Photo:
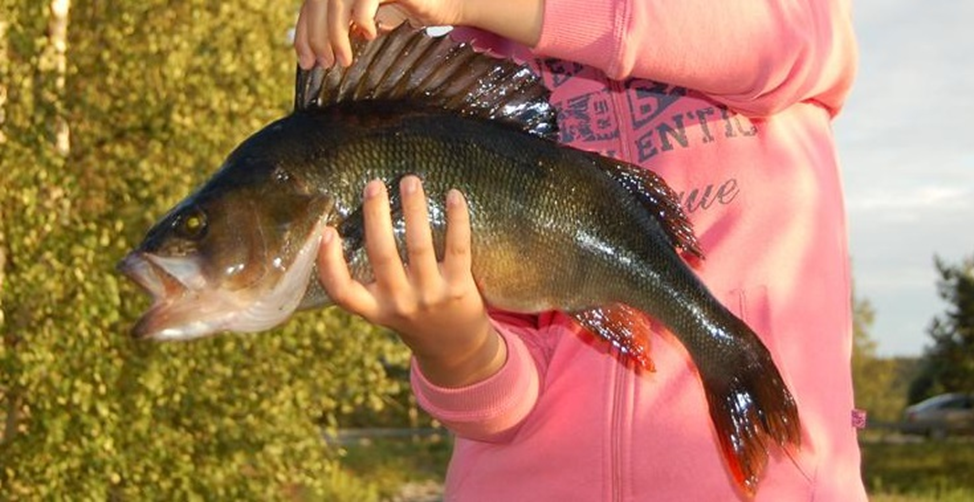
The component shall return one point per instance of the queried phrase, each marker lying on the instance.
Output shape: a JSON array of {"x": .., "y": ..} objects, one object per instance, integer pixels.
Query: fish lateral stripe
[{"x": 407, "y": 64}]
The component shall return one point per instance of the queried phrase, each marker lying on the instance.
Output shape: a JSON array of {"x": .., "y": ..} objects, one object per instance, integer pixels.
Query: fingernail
[
  {"x": 328, "y": 235},
  {"x": 325, "y": 62},
  {"x": 372, "y": 189},
  {"x": 409, "y": 185},
  {"x": 454, "y": 198}
]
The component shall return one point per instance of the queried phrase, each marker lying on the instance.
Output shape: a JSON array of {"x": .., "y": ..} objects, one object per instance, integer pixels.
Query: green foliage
[
  {"x": 155, "y": 93},
  {"x": 948, "y": 364},
  {"x": 879, "y": 384},
  {"x": 387, "y": 464}
]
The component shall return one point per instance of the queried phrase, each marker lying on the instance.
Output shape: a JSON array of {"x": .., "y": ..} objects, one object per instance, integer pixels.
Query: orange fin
[{"x": 626, "y": 328}]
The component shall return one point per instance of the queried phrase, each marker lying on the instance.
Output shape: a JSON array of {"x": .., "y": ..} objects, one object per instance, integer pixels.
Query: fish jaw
[
  {"x": 187, "y": 306},
  {"x": 178, "y": 311}
]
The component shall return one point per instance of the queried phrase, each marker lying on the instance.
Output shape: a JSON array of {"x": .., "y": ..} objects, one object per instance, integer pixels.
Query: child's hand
[
  {"x": 324, "y": 26},
  {"x": 435, "y": 307}
]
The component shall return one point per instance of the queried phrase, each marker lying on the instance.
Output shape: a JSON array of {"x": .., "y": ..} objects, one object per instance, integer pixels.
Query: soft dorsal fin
[
  {"x": 409, "y": 64},
  {"x": 659, "y": 199}
]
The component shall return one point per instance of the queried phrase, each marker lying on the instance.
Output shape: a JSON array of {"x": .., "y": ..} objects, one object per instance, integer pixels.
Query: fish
[{"x": 553, "y": 227}]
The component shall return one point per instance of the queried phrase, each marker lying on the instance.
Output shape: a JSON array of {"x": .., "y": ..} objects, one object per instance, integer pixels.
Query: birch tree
[
  {"x": 114, "y": 111},
  {"x": 57, "y": 49}
]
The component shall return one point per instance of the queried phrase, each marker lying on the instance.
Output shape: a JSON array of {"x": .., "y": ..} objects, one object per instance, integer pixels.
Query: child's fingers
[
  {"x": 306, "y": 57},
  {"x": 315, "y": 15},
  {"x": 388, "y": 17},
  {"x": 339, "y": 23},
  {"x": 423, "y": 269},
  {"x": 457, "y": 258},
  {"x": 380, "y": 243},
  {"x": 363, "y": 15},
  {"x": 334, "y": 276}
]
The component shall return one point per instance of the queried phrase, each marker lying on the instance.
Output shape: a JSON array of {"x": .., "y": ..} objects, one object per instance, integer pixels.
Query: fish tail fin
[
  {"x": 751, "y": 409},
  {"x": 626, "y": 328}
]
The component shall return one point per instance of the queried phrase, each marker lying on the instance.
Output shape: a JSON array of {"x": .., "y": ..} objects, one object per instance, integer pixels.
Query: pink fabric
[{"x": 742, "y": 131}]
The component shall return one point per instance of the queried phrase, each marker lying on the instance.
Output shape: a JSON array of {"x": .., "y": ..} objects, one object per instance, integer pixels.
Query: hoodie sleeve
[
  {"x": 756, "y": 56},
  {"x": 490, "y": 410}
]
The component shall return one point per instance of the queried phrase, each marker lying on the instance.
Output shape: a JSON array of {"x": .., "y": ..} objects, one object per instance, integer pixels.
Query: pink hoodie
[{"x": 741, "y": 129}]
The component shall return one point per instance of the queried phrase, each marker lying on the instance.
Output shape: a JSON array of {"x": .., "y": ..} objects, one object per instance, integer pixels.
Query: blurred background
[{"x": 112, "y": 111}]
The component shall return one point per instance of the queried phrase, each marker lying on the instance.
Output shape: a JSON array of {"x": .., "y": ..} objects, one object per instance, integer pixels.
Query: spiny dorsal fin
[
  {"x": 409, "y": 64},
  {"x": 659, "y": 199}
]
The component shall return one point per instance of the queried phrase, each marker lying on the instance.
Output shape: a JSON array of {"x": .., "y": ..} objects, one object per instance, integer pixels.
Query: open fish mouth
[
  {"x": 152, "y": 278},
  {"x": 185, "y": 305},
  {"x": 176, "y": 300}
]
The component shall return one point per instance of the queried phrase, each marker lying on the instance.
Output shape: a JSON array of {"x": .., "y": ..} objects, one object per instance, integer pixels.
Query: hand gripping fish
[{"x": 554, "y": 228}]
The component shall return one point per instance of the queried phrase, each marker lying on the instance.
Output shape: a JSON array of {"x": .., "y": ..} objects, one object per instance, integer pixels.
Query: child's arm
[
  {"x": 491, "y": 409},
  {"x": 757, "y": 56}
]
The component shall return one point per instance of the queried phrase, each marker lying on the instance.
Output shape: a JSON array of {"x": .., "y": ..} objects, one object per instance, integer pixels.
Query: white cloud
[{"x": 924, "y": 198}]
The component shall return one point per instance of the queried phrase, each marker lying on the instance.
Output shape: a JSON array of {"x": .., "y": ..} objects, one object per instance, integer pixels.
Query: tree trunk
[
  {"x": 58, "y": 34},
  {"x": 4, "y": 78},
  {"x": 5, "y": 399}
]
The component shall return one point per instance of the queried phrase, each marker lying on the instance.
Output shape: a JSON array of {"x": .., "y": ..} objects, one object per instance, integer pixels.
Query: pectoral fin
[{"x": 624, "y": 327}]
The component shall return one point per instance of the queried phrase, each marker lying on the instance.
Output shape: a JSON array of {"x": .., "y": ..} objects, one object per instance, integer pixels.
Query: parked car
[{"x": 941, "y": 415}]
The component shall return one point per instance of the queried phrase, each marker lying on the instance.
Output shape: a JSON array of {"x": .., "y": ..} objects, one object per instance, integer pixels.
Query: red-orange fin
[
  {"x": 751, "y": 409},
  {"x": 626, "y": 328}
]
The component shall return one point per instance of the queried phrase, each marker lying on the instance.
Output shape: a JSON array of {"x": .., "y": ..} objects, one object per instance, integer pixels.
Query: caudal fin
[{"x": 752, "y": 410}]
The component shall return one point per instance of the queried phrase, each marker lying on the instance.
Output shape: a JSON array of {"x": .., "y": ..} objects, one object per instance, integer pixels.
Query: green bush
[{"x": 155, "y": 94}]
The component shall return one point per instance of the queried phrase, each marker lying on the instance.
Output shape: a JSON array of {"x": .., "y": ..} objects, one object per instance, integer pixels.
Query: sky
[{"x": 906, "y": 143}]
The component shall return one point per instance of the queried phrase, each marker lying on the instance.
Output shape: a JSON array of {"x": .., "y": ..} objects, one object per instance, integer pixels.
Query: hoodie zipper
[
  {"x": 620, "y": 420},
  {"x": 619, "y": 95},
  {"x": 619, "y": 432}
]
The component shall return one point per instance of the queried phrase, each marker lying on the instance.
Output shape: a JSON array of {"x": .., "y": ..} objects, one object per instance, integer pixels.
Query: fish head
[{"x": 237, "y": 255}]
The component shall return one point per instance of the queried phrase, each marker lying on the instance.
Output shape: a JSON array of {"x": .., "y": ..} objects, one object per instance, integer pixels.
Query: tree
[
  {"x": 874, "y": 379},
  {"x": 948, "y": 363},
  {"x": 154, "y": 94}
]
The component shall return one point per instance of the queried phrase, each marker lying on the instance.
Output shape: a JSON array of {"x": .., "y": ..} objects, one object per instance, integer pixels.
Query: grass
[
  {"x": 919, "y": 471},
  {"x": 894, "y": 469},
  {"x": 377, "y": 469}
]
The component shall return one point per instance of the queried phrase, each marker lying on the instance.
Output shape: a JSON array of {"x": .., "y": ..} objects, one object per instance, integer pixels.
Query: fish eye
[{"x": 192, "y": 224}]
